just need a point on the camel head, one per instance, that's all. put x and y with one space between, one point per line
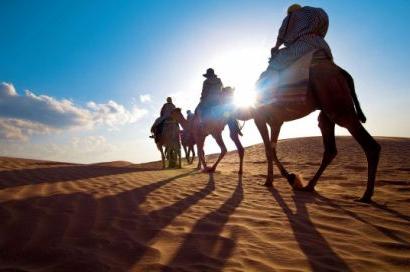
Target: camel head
179 117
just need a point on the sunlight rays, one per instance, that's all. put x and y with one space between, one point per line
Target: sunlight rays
240 68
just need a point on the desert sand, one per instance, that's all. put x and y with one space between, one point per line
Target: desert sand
118 216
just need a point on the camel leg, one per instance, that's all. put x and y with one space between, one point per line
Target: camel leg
193 154
199 163
327 127
179 157
335 99
241 151
220 142
199 160
190 151
186 153
162 156
201 154
263 130
168 156
372 151
274 132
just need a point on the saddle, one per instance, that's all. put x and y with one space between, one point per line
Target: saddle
214 109
291 84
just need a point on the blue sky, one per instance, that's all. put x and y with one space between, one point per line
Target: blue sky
86 65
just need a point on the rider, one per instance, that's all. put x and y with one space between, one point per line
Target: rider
211 93
165 113
211 96
302 30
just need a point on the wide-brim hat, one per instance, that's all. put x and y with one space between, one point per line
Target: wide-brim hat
209 73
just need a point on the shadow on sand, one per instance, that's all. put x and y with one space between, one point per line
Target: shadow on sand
204 249
73 232
12 178
319 253
383 230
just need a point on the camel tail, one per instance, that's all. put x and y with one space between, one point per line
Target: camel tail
350 82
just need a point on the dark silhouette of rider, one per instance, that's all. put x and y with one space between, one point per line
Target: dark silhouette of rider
303 30
165 113
211 93
211 97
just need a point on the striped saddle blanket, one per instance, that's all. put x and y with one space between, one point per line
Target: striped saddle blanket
289 85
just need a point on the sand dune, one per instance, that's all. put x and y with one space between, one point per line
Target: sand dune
119 216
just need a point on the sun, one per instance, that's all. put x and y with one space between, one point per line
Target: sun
240 69
244 98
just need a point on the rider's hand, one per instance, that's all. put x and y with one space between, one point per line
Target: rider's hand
274 50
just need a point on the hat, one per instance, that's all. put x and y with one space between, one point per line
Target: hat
169 99
209 73
293 8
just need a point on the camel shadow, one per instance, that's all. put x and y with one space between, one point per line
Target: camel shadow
391 211
319 253
203 248
13 178
383 230
47 228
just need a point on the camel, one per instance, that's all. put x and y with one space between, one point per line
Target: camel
214 127
169 144
332 91
188 143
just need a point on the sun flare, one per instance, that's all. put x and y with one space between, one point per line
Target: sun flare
244 98
240 69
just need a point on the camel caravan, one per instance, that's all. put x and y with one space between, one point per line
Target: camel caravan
301 78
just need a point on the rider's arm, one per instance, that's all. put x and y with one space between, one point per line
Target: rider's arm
162 110
204 92
282 32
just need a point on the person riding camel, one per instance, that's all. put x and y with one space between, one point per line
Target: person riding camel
210 95
302 30
165 113
167 108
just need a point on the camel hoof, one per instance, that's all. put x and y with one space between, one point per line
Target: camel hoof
291 179
309 189
268 184
208 170
364 200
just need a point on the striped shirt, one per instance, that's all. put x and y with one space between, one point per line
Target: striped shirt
301 31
